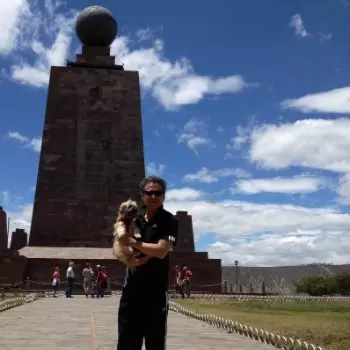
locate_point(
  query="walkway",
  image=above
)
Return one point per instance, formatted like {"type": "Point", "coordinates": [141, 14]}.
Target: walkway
{"type": "Point", "coordinates": [78, 323]}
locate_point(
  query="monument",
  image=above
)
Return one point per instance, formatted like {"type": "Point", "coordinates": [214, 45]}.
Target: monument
{"type": "Point", "coordinates": [92, 148]}
{"type": "Point", "coordinates": [91, 160]}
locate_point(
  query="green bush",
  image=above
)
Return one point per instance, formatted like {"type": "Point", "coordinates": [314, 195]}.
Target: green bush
{"type": "Point", "coordinates": [319, 285]}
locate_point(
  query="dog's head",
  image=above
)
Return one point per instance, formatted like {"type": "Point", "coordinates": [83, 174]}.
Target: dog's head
{"type": "Point", "coordinates": [128, 210]}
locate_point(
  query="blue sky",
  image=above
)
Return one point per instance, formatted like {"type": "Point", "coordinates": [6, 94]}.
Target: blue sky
{"type": "Point", "coordinates": [250, 98]}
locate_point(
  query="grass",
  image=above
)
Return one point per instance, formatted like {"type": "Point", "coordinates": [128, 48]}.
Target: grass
{"type": "Point", "coordinates": [326, 324]}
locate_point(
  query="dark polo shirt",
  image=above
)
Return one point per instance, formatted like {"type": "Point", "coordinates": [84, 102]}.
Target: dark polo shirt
{"type": "Point", "coordinates": [150, 280]}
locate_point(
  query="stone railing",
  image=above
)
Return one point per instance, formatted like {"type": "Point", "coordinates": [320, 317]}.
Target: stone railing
{"type": "Point", "coordinates": [29, 285]}
{"type": "Point", "coordinates": [17, 301]}
{"type": "Point", "coordinates": [276, 340]}
{"type": "Point", "coordinates": [286, 298]}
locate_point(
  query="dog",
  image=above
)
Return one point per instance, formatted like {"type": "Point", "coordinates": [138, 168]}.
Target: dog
{"type": "Point", "coordinates": [127, 213]}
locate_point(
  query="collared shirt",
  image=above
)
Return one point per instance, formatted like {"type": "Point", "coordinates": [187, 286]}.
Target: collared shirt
{"type": "Point", "coordinates": [88, 274]}
{"type": "Point", "coordinates": [151, 279]}
{"type": "Point", "coordinates": [70, 272]}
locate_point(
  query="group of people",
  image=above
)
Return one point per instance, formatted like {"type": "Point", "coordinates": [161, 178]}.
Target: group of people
{"type": "Point", "coordinates": [94, 282]}
{"type": "Point", "coordinates": [182, 281]}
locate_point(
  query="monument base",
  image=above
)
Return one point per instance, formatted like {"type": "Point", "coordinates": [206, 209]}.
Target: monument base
{"type": "Point", "coordinates": [13, 268]}
{"type": "Point", "coordinates": [42, 260]}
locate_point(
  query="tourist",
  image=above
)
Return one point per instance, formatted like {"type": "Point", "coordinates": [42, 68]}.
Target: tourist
{"type": "Point", "coordinates": [187, 276]}
{"type": "Point", "coordinates": [88, 274]}
{"type": "Point", "coordinates": [56, 279]}
{"type": "Point", "coordinates": [143, 307]}
{"type": "Point", "coordinates": [104, 284]}
{"type": "Point", "coordinates": [70, 279]}
{"type": "Point", "coordinates": [101, 281]}
{"type": "Point", "coordinates": [179, 281]}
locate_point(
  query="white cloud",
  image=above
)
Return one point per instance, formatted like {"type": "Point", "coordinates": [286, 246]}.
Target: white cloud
{"type": "Point", "coordinates": [296, 184]}
{"type": "Point", "coordinates": [333, 101]}
{"type": "Point", "coordinates": [155, 169]}
{"type": "Point", "coordinates": [172, 84]}
{"type": "Point", "coordinates": [144, 34]}
{"type": "Point", "coordinates": [297, 23]}
{"type": "Point", "coordinates": [195, 134]}
{"type": "Point", "coordinates": [34, 143]}
{"type": "Point", "coordinates": [313, 143]}
{"type": "Point", "coordinates": [49, 24]}
{"type": "Point", "coordinates": [221, 129]}
{"type": "Point", "coordinates": [182, 194]}
{"type": "Point", "coordinates": [285, 250]}
{"type": "Point", "coordinates": [344, 189]}
{"type": "Point", "coordinates": [268, 234]}
{"type": "Point", "coordinates": [325, 37]}
{"type": "Point", "coordinates": [5, 198]}
{"type": "Point", "coordinates": [233, 219]}
{"type": "Point", "coordinates": [205, 175]}
{"type": "Point", "coordinates": [15, 15]}
{"type": "Point", "coordinates": [241, 138]}
{"type": "Point", "coordinates": [164, 127]}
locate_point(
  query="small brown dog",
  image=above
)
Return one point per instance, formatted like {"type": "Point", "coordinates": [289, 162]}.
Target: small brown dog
{"type": "Point", "coordinates": [123, 227]}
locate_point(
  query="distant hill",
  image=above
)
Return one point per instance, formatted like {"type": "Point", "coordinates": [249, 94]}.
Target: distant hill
{"type": "Point", "coordinates": [280, 279]}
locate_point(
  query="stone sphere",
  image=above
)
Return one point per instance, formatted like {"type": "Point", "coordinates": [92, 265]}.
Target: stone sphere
{"type": "Point", "coordinates": [96, 26]}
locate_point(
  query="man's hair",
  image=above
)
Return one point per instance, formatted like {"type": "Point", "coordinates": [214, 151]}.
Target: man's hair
{"type": "Point", "coordinates": [152, 179]}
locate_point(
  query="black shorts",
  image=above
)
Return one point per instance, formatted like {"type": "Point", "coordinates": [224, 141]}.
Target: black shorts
{"type": "Point", "coordinates": [142, 319]}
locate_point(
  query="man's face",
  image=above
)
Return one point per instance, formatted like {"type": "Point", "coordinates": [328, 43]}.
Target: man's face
{"type": "Point", "coordinates": [153, 195]}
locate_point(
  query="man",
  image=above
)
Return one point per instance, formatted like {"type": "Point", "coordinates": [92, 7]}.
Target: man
{"type": "Point", "coordinates": [70, 279]}
{"type": "Point", "coordinates": [88, 274]}
{"type": "Point", "coordinates": [143, 307]}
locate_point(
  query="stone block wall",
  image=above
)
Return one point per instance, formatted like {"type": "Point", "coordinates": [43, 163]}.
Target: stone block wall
{"type": "Point", "coordinates": [185, 241]}
{"type": "Point", "coordinates": [91, 158]}
{"type": "Point", "coordinates": [3, 230]}
{"type": "Point", "coordinates": [19, 239]}
{"type": "Point", "coordinates": [13, 269]}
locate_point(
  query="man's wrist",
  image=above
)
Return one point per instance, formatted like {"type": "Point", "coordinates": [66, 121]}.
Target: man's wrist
{"type": "Point", "coordinates": [136, 243]}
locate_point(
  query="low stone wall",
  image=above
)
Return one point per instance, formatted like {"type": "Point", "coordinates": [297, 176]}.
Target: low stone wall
{"type": "Point", "coordinates": [286, 298]}
{"type": "Point", "coordinates": [277, 280]}
{"type": "Point", "coordinates": [17, 301]}
{"type": "Point", "coordinates": [276, 340]}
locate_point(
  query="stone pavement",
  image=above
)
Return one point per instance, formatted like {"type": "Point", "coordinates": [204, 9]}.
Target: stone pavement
{"type": "Point", "coordinates": [90, 324]}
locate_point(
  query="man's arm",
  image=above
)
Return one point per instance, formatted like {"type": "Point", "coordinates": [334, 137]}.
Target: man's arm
{"type": "Point", "coordinates": [166, 241]}
{"type": "Point", "coordinates": [156, 250]}
{"type": "Point", "coordinates": [139, 261]}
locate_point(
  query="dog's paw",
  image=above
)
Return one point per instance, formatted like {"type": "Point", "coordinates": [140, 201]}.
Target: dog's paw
{"type": "Point", "coordinates": [136, 232]}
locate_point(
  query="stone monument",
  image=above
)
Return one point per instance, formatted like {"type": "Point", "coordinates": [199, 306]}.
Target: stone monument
{"type": "Point", "coordinates": [92, 149]}
{"type": "Point", "coordinates": [12, 266]}
{"type": "Point", "coordinates": [92, 159]}
{"type": "Point", "coordinates": [3, 231]}
{"type": "Point", "coordinates": [19, 239]}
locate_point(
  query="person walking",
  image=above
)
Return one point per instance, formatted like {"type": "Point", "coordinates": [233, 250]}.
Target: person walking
{"type": "Point", "coordinates": [56, 279]}
{"type": "Point", "coordinates": [187, 277]}
{"type": "Point", "coordinates": [70, 279]}
{"type": "Point", "coordinates": [101, 280]}
{"type": "Point", "coordinates": [143, 306]}
{"type": "Point", "coordinates": [88, 274]}
{"type": "Point", "coordinates": [178, 281]}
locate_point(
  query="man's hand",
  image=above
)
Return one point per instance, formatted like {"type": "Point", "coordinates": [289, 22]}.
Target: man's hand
{"type": "Point", "coordinates": [127, 240]}
{"type": "Point", "coordinates": [135, 262]}
{"type": "Point", "coordinates": [157, 250]}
